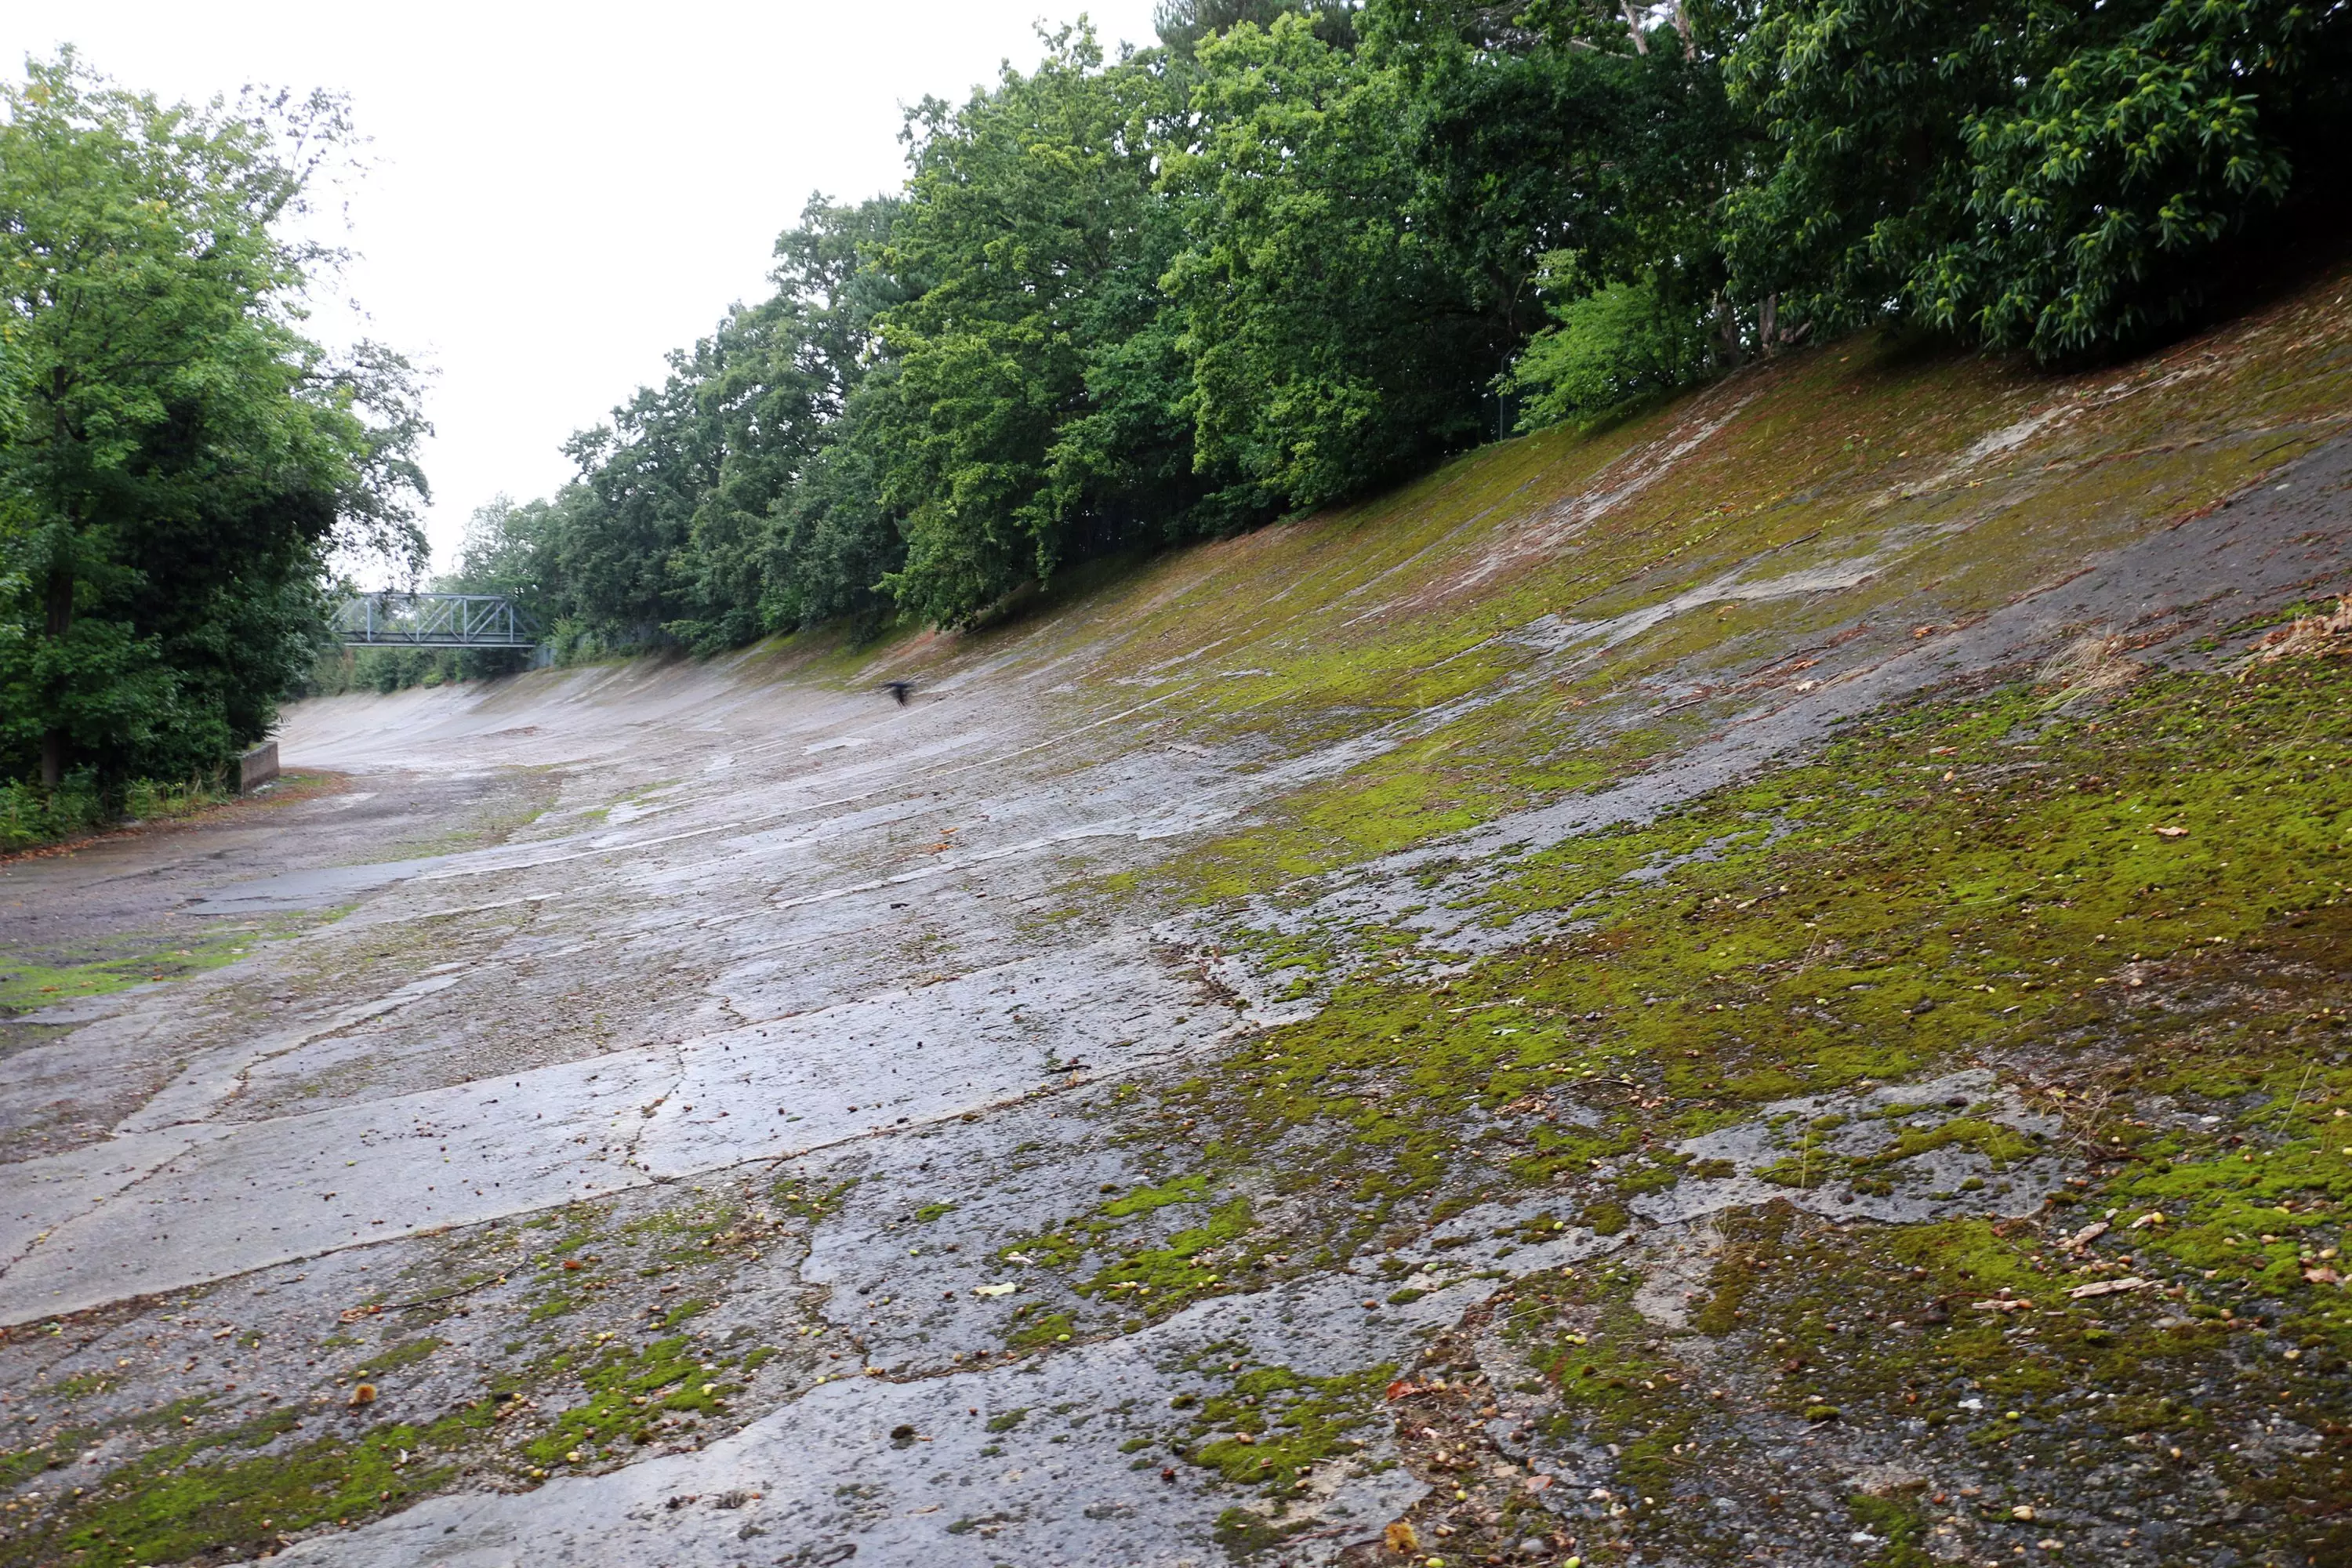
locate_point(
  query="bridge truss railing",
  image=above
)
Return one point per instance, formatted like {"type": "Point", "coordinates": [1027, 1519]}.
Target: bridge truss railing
{"type": "Point", "coordinates": [433, 620]}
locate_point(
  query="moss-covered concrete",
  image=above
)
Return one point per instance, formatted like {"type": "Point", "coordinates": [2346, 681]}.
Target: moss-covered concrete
{"type": "Point", "coordinates": [1922, 1135]}
{"type": "Point", "coordinates": [2134, 912]}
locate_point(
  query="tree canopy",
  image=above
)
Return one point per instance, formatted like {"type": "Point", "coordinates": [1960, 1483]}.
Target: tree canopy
{"type": "Point", "coordinates": [1296, 249]}
{"type": "Point", "coordinates": [1303, 246]}
{"type": "Point", "coordinates": [176, 458]}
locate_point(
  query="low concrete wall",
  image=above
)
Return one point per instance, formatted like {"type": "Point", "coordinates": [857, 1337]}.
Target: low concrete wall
{"type": "Point", "coordinates": [257, 767]}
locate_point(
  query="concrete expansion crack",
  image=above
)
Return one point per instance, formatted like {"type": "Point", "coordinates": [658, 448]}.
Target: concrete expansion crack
{"type": "Point", "coordinates": [99, 1204]}
{"type": "Point", "coordinates": [629, 1159]}
{"type": "Point", "coordinates": [200, 1104]}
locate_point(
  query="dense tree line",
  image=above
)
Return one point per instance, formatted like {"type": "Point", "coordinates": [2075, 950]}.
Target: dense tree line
{"type": "Point", "coordinates": [177, 460]}
{"type": "Point", "coordinates": [1303, 247]}
{"type": "Point", "coordinates": [1295, 249]}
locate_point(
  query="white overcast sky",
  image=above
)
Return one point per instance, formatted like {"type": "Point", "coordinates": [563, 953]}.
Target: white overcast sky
{"type": "Point", "coordinates": [560, 194]}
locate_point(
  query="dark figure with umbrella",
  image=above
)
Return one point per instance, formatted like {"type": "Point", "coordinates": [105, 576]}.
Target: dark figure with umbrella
{"type": "Point", "coordinates": [899, 688]}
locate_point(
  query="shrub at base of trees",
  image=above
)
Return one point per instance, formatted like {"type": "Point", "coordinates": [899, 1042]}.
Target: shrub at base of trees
{"type": "Point", "coordinates": [32, 816]}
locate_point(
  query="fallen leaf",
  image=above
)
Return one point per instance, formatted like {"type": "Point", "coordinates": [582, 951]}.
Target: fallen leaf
{"type": "Point", "coordinates": [2087, 1235]}
{"type": "Point", "coordinates": [1538, 1483]}
{"type": "Point", "coordinates": [1003, 1290]}
{"type": "Point", "coordinates": [2107, 1288]}
{"type": "Point", "coordinates": [1401, 1537]}
{"type": "Point", "coordinates": [2153, 1216]}
{"type": "Point", "coordinates": [2323, 1275]}
{"type": "Point", "coordinates": [363, 1394]}
{"type": "Point", "coordinates": [2003, 1304]}
{"type": "Point", "coordinates": [2170, 832]}
{"type": "Point", "coordinates": [1401, 1389]}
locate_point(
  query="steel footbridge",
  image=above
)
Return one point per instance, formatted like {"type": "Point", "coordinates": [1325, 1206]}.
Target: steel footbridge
{"type": "Point", "coordinates": [390, 619]}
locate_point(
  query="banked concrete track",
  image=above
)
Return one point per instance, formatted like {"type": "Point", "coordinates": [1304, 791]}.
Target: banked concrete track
{"type": "Point", "coordinates": [751, 991]}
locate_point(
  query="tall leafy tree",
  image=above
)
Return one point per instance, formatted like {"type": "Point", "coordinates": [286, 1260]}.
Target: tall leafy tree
{"type": "Point", "coordinates": [1572, 167]}
{"type": "Point", "coordinates": [177, 457]}
{"type": "Point", "coordinates": [783, 376]}
{"type": "Point", "coordinates": [679, 529]}
{"type": "Point", "coordinates": [1182, 24]}
{"type": "Point", "coordinates": [2054, 174]}
{"type": "Point", "coordinates": [1331, 343]}
{"type": "Point", "coordinates": [643, 477]}
{"type": "Point", "coordinates": [1029, 245]}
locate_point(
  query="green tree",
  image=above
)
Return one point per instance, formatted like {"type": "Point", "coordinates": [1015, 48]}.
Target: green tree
{"type": "Point", "coordinates": [833, 542]}
{"type": "Point", "coordinates": [1184, 23]}
{"type": "Point", "coordinates": [1029, 246]}
{"type": "Point", "coordinates": [177, 458]}
{"type": "Point", "coordinates": [782, 379]}
{"type": "Point", "coordinates": [642, 479]}
{"type": "Point", "coordinates": [509, 549]}
{"type": "Point", "coordinates": [680, 526]}
{"type": "Point", "coordinates": [2063, 175]}
{"type": "Point", "coordinates": [1572, 171]}
{"type": "Point", "coordinates": [1333, 344]}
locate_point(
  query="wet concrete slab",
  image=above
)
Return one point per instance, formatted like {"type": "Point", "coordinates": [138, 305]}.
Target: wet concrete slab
{"type": "Point", "coordinates": [212, 1202]}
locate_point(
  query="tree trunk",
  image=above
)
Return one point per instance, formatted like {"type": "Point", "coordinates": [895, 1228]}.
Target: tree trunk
{"type": "Point", "coordinates": [60, 621]}
{"type": "Point", "coordinates": [1634, 21]}
{"type": "Point", "coordinates": [1768, 317]}
{"type": "Point", "coordinates": [1681, 25]}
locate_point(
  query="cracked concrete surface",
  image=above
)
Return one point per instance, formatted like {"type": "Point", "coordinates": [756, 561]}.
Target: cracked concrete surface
{"type": "Point", "coordinates": [627, 934]}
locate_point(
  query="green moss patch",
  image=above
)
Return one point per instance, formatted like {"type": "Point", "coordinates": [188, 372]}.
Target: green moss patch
{"type": "Point", "coordinates": [1272, 1426]}
{"type": "Point", "coordinates": [636, 1396]}
{"type": "Point", "coordinates": [240, 1489]}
